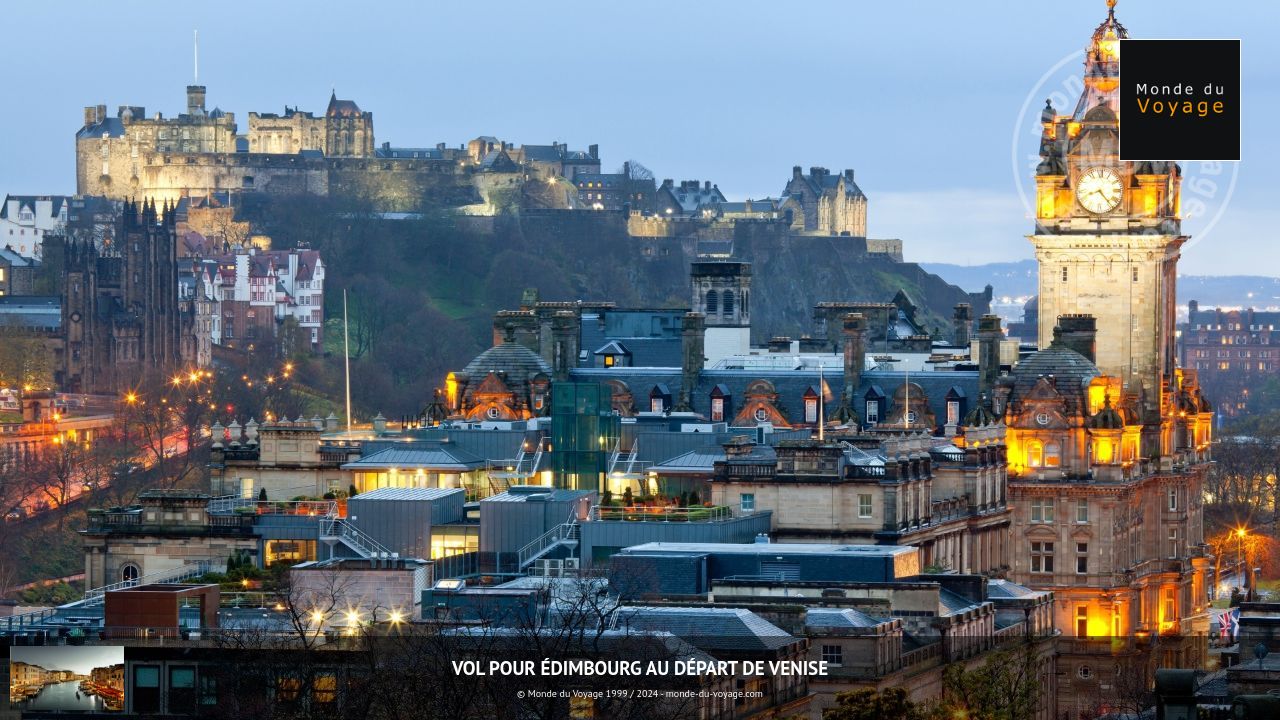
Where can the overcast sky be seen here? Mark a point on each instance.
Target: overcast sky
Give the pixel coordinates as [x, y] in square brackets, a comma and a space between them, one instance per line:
[920, 98]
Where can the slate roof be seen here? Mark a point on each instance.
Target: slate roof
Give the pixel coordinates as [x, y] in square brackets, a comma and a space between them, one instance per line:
[953, 603]
[1071, 372]
[398, 152]
[29, 201]
[13, 259]
[708, 629]
[541, 153]
[839, 618]
[31, 311]
[789, 384]
[702, 460]
[112, 126]
[341, 108]
[426, 455]
[1003, 589]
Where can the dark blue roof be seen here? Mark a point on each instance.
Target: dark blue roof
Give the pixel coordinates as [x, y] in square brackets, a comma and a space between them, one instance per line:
[112, 126]
[790, 385]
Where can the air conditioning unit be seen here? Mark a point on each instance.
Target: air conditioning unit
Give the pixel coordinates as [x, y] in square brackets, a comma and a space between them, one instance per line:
[571, 563]
[549, 568]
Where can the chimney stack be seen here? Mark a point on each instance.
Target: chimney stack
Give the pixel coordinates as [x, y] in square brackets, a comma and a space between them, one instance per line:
[693, 357]
[960, 322]
[989, 336]
[1079, 333]
[854, 330]
[564, 338]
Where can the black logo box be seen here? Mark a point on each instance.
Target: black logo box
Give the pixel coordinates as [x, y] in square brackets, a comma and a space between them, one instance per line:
[1187, 68]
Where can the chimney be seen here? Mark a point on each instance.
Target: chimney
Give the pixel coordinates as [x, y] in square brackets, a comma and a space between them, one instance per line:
[780, 344]
[626, 169]
[989, 336]
[707, 186]
[90, 116]
[101, 111]
[1192, 308]
[594, 151]
[565, 325]
[848, 175]
[817, 172]
[693, 357]
[1079, 333]
[960, 322]
[854, 330]
[796, 172]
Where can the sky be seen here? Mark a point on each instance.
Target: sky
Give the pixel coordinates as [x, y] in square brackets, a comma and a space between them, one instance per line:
[922, 99]
[80, 660]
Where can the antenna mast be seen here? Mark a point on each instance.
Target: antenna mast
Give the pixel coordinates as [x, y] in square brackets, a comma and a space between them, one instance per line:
[195, 50]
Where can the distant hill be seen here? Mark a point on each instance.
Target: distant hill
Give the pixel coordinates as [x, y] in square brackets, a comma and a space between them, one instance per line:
[423, 290]
[1019, 279]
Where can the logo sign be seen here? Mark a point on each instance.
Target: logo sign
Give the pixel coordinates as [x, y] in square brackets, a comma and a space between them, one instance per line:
[1179, 99]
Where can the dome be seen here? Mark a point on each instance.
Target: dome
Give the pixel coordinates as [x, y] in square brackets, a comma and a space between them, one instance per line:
[1071, 373]
[513, 362]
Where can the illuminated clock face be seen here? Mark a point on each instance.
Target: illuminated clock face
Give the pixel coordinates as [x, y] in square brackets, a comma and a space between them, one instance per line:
[1099, 190]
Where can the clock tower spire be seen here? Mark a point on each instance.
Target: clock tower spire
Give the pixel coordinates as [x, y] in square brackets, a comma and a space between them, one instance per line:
[1108, 232]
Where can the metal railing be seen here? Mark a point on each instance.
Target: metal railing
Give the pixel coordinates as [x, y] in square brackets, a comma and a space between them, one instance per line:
[186, 572]
[332, 526]
[563, 532]
[662, 513]
[95, 596]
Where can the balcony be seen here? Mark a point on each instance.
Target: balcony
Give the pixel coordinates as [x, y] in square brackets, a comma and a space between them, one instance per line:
[664, 513]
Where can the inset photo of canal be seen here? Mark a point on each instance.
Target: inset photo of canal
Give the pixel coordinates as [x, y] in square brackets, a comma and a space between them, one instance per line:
[67, 678]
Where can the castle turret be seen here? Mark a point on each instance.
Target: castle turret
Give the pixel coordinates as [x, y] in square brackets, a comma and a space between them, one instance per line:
[195, 100]
[722, 292]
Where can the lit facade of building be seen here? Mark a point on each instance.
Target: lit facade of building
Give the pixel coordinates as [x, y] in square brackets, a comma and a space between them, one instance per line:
[1108, 440]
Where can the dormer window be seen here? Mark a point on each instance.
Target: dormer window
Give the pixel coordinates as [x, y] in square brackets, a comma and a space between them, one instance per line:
[873, 412]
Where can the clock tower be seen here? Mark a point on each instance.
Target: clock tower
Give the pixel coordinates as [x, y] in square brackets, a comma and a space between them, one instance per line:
[1107, 232]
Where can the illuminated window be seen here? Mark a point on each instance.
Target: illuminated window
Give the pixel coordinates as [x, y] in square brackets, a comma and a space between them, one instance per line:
[1035, 454]
[1082, 621]
[873, 412]
[608, 361]
[1170, 605]
[717, 409]
[1052, 455]
[1041, 557]
[953, 412]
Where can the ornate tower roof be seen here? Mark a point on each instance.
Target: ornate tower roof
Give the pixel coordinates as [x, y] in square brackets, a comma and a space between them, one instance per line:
[1102, 65]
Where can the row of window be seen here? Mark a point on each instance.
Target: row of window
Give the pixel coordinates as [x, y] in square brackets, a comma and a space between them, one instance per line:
[1042, 557]
[1042, 509]
[1263, 366]
[1134, 274]
[1227, 353]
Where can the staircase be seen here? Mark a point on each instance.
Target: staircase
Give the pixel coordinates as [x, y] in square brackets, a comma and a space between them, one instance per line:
[564, 535]
[94, 596]
[334, 530]
[523, 467]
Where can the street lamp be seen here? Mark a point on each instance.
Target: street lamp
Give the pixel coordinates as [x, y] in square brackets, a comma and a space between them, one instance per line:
[1240, 556]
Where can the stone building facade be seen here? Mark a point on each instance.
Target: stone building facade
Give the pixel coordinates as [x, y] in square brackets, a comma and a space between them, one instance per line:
[1108, 441]
[121, 313]
[825, 204]
[1232, 351]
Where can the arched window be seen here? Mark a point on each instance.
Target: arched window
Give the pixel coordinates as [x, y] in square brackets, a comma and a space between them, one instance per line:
[1035, 454]
[129, 572]
[728, 302]
[1052, 455]
[712, 301]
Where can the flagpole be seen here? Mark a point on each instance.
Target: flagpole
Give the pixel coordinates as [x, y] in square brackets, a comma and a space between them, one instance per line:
[346, 355]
